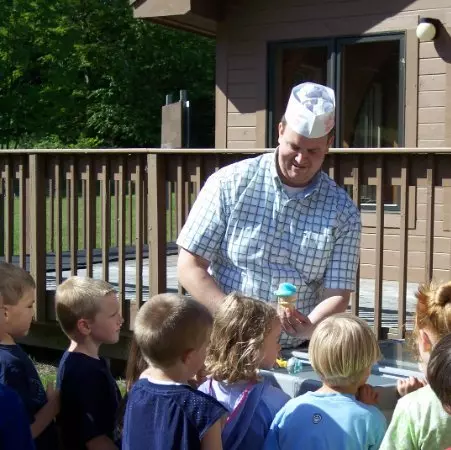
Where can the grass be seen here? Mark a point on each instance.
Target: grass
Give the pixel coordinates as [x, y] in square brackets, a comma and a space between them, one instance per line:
[130, 223]
[47, 374]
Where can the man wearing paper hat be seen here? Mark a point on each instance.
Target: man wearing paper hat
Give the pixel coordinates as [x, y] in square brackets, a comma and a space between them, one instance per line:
[277, 218]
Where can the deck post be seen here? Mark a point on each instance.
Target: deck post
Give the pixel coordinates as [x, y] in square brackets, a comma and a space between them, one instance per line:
[156, 228]
[38, 259]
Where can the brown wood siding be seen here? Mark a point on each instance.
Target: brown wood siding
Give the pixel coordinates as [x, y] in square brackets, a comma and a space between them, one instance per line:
[251, 26]
[417, 241]
[428, 102]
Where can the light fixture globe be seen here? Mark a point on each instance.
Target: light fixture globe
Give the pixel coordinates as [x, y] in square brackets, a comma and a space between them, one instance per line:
[426, 30]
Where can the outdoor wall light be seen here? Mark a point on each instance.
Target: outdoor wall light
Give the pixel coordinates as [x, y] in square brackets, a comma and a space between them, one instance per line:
[427, 29]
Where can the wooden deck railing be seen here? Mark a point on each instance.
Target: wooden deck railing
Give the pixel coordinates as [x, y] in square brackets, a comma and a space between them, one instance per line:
[94, 209]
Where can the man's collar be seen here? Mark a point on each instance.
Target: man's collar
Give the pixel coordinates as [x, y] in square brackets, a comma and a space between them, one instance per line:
[308, 189]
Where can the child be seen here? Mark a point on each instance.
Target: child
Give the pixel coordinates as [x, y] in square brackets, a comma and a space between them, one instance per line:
[419, 420]
[15, 431]
[342, 351]
[163, 411]
[245, 338]
[16, 369]
[89, 314]
[439, 372]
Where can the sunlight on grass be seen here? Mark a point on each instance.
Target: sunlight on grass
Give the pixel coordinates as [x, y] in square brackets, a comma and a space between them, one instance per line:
[130, 223]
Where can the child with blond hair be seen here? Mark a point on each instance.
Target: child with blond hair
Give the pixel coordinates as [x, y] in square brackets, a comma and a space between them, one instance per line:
[16, 368]
[163, 411]
[89, 314]
[245, 338]
[420, 420]
[341, 414]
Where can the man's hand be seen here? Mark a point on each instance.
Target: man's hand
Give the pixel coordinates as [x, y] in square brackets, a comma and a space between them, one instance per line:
[409, 385]
[295, 323]
[366, 394]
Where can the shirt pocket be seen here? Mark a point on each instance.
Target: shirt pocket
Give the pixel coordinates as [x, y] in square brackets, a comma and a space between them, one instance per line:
[246, 244]
[313, 255]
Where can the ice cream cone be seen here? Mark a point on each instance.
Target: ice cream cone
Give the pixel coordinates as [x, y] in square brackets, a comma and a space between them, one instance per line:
[286, 296]
[287, 302]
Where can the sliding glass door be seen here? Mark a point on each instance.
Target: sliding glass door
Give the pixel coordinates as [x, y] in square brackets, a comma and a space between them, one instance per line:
[367, 74]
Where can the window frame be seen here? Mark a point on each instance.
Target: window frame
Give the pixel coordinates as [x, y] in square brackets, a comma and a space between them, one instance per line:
[335, 46]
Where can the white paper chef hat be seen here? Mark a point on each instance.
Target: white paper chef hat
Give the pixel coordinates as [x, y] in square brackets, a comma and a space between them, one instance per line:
[311, 110]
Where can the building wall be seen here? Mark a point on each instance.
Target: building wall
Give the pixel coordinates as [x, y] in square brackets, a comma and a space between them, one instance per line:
[241, 99]
[242, 39]
[417, 241]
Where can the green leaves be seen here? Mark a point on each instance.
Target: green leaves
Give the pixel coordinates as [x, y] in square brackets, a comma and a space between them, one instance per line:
[78, 72]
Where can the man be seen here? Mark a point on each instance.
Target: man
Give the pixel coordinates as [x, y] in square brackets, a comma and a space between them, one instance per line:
[277, 218]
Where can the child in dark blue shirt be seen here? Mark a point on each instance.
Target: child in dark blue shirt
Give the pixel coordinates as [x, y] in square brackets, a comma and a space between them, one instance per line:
[16, 368]
[14, 425]
[163, 411]
[15, 431]
[89, 313]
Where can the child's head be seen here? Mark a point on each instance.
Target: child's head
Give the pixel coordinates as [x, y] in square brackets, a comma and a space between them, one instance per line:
[173, 331]
[439, 371]
[342, 350]
[245, 338]
[433, 317]
[88, 308]
[19, 293]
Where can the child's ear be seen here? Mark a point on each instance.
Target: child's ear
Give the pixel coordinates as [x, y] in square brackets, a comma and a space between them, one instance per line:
[425, 341]
[447, 408]
[84, 327]
[188, 356]
[7, 312]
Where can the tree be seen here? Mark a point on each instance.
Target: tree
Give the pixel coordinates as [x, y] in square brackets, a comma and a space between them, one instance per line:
[85, 71]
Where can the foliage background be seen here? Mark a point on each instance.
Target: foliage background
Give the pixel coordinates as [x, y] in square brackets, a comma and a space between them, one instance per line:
[85, 73]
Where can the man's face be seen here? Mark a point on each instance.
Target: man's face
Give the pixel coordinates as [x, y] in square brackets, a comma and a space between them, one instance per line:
[300, 158]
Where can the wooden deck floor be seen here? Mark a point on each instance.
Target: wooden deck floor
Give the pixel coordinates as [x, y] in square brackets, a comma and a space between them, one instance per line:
[390, 289]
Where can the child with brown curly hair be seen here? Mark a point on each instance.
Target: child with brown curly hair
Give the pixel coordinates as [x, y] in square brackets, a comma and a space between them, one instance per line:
[245, 338]
[419, 420]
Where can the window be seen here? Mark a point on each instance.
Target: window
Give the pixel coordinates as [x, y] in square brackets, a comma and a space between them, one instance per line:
[368, 77]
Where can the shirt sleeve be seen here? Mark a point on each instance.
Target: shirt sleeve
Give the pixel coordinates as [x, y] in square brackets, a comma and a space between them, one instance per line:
[209, 412]
[400, 433]
[341, 270]
[15, 433]
[205, 227]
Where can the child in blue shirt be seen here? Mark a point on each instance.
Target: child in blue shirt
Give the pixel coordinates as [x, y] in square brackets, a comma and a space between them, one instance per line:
[245, 338]
[341, 414]
[163, 411]
[89, 313]
[16, 369]
[15, 433]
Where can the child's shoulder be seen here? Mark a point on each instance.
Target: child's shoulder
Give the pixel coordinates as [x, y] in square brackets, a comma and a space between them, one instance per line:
[183, 395]
[189, 401]
[418, 401]
[13, 358]
[80, 363]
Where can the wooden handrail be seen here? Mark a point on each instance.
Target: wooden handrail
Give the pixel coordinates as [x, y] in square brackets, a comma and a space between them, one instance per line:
[190, 151]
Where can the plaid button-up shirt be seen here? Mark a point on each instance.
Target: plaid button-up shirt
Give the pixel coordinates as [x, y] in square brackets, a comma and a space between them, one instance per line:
[256, 235]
